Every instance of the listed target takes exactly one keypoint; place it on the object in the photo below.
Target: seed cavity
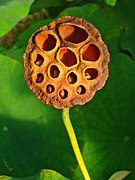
(72, 78)
(91, 73)
(81, 90)
(90, 52)
(50, 88)
(40, 78)
(47, 42)
(39, 60)
(63, 93)
(54, 71)
(67, 57)
(72, 33)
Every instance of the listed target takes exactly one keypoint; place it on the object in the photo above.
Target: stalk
(74, 143)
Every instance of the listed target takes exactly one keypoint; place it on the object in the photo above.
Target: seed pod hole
(46, 42)
(63, 93)
(67, 57)
(81, 90)
(90, 52)
(54, 71)
(73, 34)
(72, 78)
(91, 73)
(50, 88)
(40, 78)
(39, 60)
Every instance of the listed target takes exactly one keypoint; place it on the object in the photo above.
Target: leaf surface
(109, 123)
(42, 175)
(120, 175)
(29, 128)
(125, 11)
(111, 2)
(36, 6)
(32, 134)
(11, 11)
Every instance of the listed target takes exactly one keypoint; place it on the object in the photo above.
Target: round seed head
(66, 62)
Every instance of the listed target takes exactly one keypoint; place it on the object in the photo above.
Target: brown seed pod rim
(73, 101)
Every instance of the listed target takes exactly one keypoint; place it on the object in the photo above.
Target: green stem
(74, 143)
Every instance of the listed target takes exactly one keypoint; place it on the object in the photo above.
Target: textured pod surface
(66, 62)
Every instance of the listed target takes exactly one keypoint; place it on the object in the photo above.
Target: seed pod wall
(66, 62)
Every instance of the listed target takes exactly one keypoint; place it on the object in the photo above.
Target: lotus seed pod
(66, 62)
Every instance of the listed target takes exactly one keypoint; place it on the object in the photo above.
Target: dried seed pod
(66, 62)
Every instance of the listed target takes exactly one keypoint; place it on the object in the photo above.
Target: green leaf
(11, 11)
(32, 134)
(109, 123)
(36, 6)
(111, 2)
(51, 175)
(14, 52)
(125, 11)
(2, 49)
(42, 175)
(105, 123)
(120, 175)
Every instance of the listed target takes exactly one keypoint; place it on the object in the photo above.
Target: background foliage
(32, 135)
